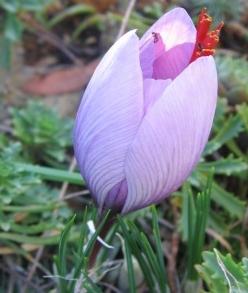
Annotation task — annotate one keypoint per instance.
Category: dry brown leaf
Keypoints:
(61, 81)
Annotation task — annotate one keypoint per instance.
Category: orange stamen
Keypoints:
(203, 25)
(206, 41)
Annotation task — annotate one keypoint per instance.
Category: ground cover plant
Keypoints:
(51, 233)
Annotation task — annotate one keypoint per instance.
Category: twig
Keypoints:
(40, 266)
(163, 223)
(14, 271)
(111, 287)
(76, 194)
(219, 238)
(34, 266)
(66, 184)
(126, 18)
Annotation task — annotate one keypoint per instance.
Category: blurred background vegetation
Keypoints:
(198, 238)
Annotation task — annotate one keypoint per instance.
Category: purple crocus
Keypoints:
(147, 112)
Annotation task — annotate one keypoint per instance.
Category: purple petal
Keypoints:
(108, 117)
(153, 90)
(172, 136)
(116, 197)
(173, 62)
(152, 49)
(178, 35)
(175, 28)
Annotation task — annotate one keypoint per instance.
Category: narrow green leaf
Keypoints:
(131, 279)
(233, 205)
(20, 238)
(13, 28)
(147, 250)
(243, 112)
(188, 213)
(196, 234)
(132, 23)
(71, 11)
(61, 260)
(10, 5)
(52, 174)
(32, 208)
(218, 223)
(31, 5)
(95, 20)
(80, 253)
(131, 237)
(232, 127)
(226, 166)
(5, 52)
(159, 251)
(33, 229)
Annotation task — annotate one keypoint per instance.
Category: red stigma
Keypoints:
(206, 41)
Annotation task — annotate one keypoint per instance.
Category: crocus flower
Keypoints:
(147, 112)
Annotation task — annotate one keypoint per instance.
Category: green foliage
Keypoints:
(130, 269)
(231, 128)
(71, 11)
(228, 125)
(17, 6)
(26, 204)
(243, 112)
(226, 128)
(73, 272)
(43, 133)
(227, 200)
(193, 223)
(13, 181)
(233, 77)
(154, 11)
(225, 166)
(89, 14)
(31, 213)
(143, 19)
(219, 10)
(222, 274)
(5, 50)
(150, 259)
(51, 174)
(12, 28)
(95, 20)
